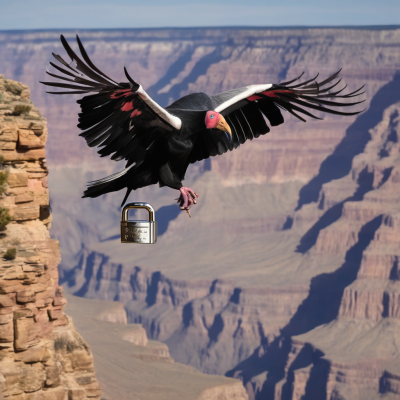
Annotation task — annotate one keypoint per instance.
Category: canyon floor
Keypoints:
(129, 366)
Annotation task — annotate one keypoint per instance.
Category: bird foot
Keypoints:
(187, 199)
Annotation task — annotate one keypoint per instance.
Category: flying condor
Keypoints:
(159, 143)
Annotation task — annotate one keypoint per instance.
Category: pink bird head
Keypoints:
(212, 119)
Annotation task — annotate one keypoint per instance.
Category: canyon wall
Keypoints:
(170, 63)
(342, 341)
(129, 365)
(285, 277)
(41, 354)
(335, 337)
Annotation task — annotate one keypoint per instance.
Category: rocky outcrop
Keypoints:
(41, 354)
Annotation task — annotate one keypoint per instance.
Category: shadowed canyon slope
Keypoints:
(286, 276)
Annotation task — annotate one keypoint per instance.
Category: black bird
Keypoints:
(159, 143)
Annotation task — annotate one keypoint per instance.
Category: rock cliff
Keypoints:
(41, 354)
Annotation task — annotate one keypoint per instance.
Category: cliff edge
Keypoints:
(41, 354)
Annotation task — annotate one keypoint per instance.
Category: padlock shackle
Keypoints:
(137, 205)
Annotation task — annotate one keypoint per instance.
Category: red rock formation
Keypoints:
(41, 354)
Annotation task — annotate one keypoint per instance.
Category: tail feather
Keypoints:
(137, 177)
(103, 188)
(110, 183)
(112, 177)
(128, 192)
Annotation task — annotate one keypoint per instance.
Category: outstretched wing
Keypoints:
(120, 118)
(247, 109)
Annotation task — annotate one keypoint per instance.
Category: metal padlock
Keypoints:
(144, 232)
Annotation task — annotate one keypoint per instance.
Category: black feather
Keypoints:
(61, 60)
(244, 125)
(65, 85)
(89, 61)
(293, 80)
(80, 65)
(271, 111)
(303, 83)
(319, 108)
(64, 71)
(71, 92)
(235, 136)
(135, 85)
(258, 125)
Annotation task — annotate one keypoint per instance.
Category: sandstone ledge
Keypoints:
(42, 357)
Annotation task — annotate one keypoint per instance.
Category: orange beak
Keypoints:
(223, 126)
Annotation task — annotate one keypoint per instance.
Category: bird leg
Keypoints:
(187, 198)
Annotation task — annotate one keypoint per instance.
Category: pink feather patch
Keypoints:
(121, 93)
(254, 97)
(135, 113)
(127, 106)
(269, 93)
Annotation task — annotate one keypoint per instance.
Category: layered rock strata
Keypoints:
(41, 354)
(325, 323)
(131, 366)
(365, 363)
(213, 323)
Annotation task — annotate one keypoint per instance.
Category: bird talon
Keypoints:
(186, 199)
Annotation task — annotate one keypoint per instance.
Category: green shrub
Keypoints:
(1, 97)
(3, 181)
(5, 218)
(13, 87)
(70, 344)
(10, 254)
(21, 109)
(4, 215)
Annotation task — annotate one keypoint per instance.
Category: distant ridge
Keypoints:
(294, 27)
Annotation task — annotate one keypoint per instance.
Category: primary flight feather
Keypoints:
(159, 143)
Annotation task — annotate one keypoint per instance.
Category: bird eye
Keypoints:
(212, 116)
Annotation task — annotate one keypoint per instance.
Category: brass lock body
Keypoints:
(144, 232)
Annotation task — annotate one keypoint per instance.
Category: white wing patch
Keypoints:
(162, 112)
(253, 89)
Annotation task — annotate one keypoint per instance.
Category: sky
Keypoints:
(93, 14)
